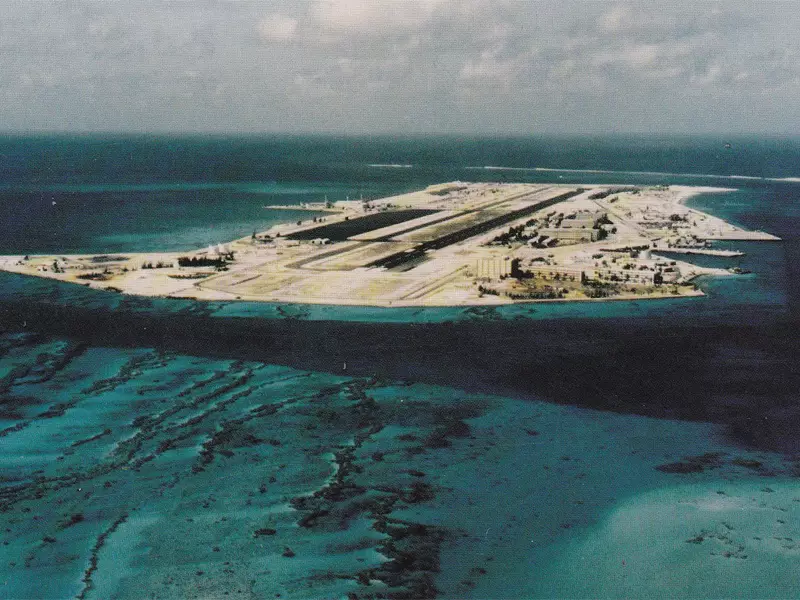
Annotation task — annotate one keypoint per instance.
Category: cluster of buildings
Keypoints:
(687, 241)
(580, 226)
(629, 267)
(607, 267)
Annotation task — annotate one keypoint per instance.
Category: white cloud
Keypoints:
(345, 66)
(358, 63)
(373, 17)
(490, 67)
(643, 55)
(618, 18)
(277, 28)
(707, 76)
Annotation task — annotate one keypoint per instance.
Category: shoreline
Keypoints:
(491, 301)
(405, 260)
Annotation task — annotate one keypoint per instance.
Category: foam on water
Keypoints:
(644, 173)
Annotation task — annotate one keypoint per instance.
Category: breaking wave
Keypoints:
(615, 172)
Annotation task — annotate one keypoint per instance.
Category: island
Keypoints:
(450, 244)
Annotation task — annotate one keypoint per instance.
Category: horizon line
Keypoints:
(384, 134)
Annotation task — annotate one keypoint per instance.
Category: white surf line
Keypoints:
(612, 172)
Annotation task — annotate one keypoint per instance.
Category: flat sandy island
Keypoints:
(451, 244)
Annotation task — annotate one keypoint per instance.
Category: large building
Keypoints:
(493, 268)
(583, 220)
(556, 273)
(571, 234)
(647, 276)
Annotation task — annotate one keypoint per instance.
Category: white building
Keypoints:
(493, 268)
(571, 235)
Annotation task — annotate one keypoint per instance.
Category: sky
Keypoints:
(515, 67)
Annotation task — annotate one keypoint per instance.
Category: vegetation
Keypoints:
(544, 293)
(611, 192)
(106, 258)
(598, 289)
(201, 261)
(446, 190)
(95, 276)
(190, 276)
(514, 234)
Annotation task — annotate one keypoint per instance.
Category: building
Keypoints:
(571, 234)
(583, 220)
(493, 268)
(623, 275)
(555, 273)
(649, 276)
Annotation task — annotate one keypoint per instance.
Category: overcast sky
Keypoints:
(401, 66)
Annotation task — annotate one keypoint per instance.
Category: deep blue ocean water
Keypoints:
(728, 359)
(135, 193)
(142, 193)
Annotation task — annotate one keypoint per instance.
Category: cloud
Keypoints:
(492, 67)
(364, 65)
(373, 17)
(277, 28)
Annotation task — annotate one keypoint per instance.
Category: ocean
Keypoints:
(171, 448)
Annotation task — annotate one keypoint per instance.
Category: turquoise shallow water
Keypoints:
(177, 449)
(181, 476)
